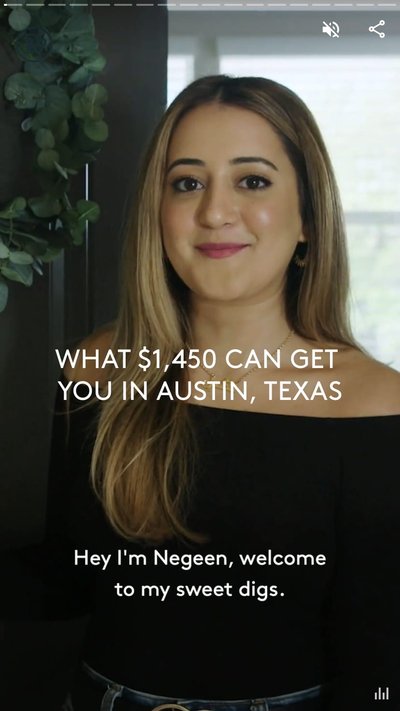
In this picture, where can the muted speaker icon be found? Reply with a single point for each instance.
(330, 28)
(381, 695)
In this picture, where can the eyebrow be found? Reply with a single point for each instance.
(234, 161)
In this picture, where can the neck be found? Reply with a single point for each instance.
(225, 326)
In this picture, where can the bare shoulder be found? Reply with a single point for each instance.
(369, 387)
(89, 353)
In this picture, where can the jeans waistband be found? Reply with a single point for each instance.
(151, 702)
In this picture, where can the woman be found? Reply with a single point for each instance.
(236, 246)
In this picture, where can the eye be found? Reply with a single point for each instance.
(255, 182)
(186, 185)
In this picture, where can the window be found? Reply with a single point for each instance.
(354, 95)
(180, 73)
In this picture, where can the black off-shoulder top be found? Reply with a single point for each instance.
(270, 485)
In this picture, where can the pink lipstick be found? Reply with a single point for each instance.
(220, 250)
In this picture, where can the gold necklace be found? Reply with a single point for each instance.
(226, 382)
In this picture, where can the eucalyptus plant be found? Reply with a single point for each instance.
(62, 109)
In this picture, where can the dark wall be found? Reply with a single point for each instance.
(135, 42)
(79, 291)
(24, 353)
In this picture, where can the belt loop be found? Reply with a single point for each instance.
(259, 705)
(113, 692)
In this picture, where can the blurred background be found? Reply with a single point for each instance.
(351, 83)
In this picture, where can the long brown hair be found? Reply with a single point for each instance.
(143, 454)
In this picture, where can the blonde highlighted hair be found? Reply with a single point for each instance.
(144, 451)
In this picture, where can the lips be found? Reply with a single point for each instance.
(220, 250)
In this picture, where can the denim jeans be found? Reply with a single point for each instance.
(104, 694)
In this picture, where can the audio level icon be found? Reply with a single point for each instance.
(381, 695)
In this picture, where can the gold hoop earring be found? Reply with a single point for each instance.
(300, 261)
(300, 255)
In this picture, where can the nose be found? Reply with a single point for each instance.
(218, 206)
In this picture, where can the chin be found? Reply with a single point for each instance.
(221, 295)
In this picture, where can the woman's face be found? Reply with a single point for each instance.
(230, 210)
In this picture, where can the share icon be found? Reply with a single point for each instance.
(373, 28)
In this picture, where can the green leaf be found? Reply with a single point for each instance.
(38, 241)
(21, 273)
(84, 46)
(62, 131)
(88, 210)
(44, 72)
(65, 49)
(47, 158)
(82, 143)
(79, 75)
(44, 119)
(3, 294)
(46, 224)
(19, 19)
(14, 208)
(94, 112)
(61, 170)
(84, 108)
(44, 138)
(50, 16)
(79, 24)
(21, 258)
(33, 245)
(77, 105)
(4, 251)
(70, 159)
(77, 233)
(26, 124)
(45, 206)
(23, 90)
(51, 253)
(75, 225)
(58, 101)
(96, 130)
(70, 217)
(96, 93)
(95, 63)
(57, 109)
(37, 267)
